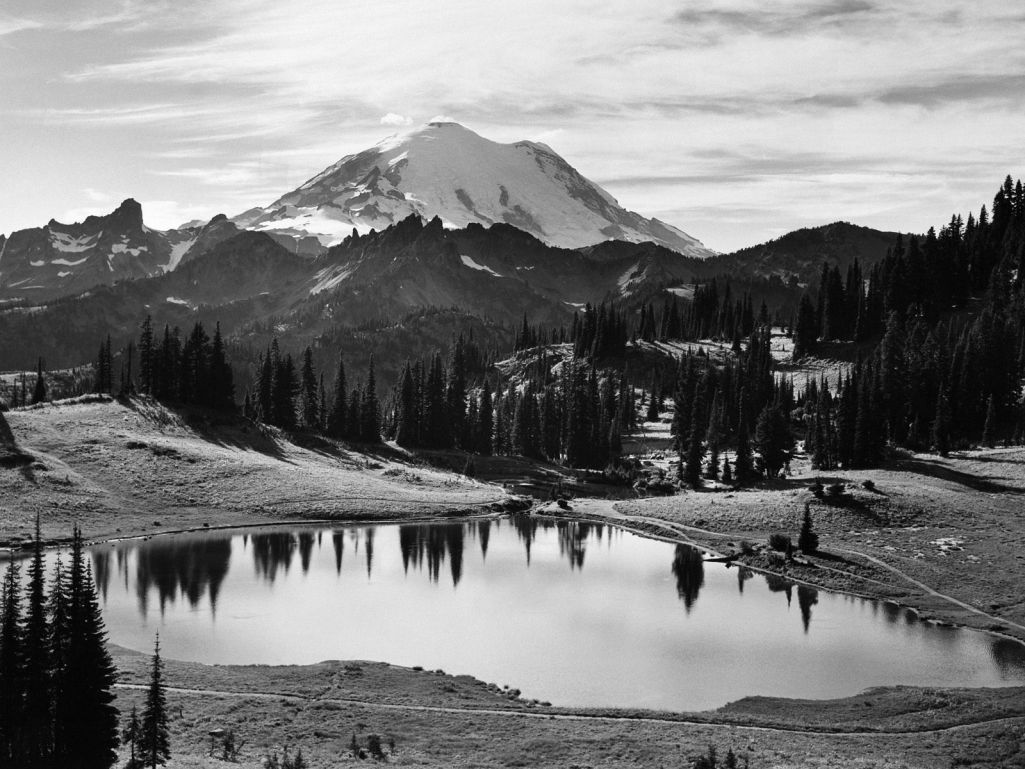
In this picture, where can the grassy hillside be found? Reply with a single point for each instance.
(133, 467)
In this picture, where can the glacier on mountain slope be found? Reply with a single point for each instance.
(448, 171)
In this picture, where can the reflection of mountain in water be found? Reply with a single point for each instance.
(689, 570)
(192, 566)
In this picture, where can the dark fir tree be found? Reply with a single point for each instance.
(155, 742)
(39, 391)
(807, 540)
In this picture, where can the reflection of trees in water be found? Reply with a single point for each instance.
(526, 529)
(306, 539)
(271, 551)
(369, 548)
(432, 543)
(743, 575)
(101, 571)
(806, 598)
(483, 530)
(193, 566)
(1009, 656)
(778, 584)
(573, 537)
(338, 541)
(689, 570)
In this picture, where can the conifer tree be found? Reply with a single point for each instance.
(146, 354)
(155, 743)
(37, 740)
(773, 440)
(370, 411)
(309, 402)
(406, 432)
(485, 421)
(85, 699)
(12, 650)
(39, 391)
(337, 420)
(743, 465)
(807, 540)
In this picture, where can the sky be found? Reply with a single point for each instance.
(735, 120)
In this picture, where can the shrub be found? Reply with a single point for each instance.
(780, 542)
(836, 489)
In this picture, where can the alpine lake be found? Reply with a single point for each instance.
(571, 613)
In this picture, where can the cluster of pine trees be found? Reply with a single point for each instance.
(938, 378)
(194, 370)
(291, 399)
(56, 676)
(713, 409)
(711, 314)
(576, 416)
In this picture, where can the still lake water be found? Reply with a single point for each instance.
(573, 613)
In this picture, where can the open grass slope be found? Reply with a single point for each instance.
(122, 468)
(437, 720)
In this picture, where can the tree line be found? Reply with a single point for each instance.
(946, 321)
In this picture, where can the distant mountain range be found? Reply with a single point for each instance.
(436, 218)
(63, 259)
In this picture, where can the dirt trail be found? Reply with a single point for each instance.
(590, 717)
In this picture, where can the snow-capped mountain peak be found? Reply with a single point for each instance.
(446, 170)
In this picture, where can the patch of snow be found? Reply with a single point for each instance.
(326, 281)
(687, 292)
(121, 248)
(468, 261)
(62, 241)
(64, 273)
(577, 305)
(176, 300)
(66, 263)
(178, 251)
(40, 263)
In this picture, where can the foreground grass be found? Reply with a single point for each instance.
(438, 720)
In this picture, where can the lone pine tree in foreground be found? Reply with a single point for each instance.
(155, 748)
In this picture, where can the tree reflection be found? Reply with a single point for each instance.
(192, 566)
(432, 543)
(689, 570)
(778, 584)
(743, 575)
(573, 542)
(806, 598)
(1009, 656)
(272, 551)
(306, 539)
(338, 541)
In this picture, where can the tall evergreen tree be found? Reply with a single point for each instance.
(37, 739)
(85, 700)
(309, 402)
(337, 420)
(12, 649)
(155, 744)
(39, 391)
